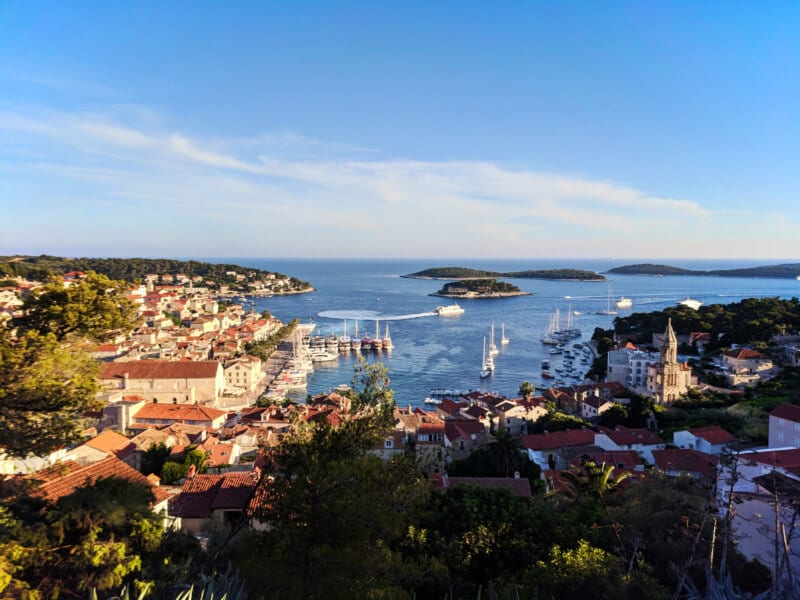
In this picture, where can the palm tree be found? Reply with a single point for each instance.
(526, 389)
(505, 452)
(592, 479)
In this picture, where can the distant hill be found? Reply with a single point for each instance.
(43, 267)
(462, 273)
(785, 271)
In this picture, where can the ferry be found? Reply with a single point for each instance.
(449, 310)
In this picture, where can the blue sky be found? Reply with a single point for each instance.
(414, 129)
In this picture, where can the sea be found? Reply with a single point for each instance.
(434, 353)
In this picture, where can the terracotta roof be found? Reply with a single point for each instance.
(713, 434)
(520, 487)
(745, 354)
(202, 494)
(790, 412)
(788, 459)
(111, 442)
(64, 478)
(454, 429)
(178, 412)
(448, 406)
(161, 369)
(623, 436)
(686, 461)
(558, 439)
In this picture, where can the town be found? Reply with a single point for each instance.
(180, 407)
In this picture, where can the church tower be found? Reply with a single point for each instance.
(669, 379)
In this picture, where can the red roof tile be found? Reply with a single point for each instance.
(178, 412)
(558, 439)
(790, 412)
(686, 461)
(713, 434)
(161, 369)
(203, 494)
(63, 479)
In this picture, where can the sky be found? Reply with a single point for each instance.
(406, 129)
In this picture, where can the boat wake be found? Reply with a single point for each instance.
(370, 315)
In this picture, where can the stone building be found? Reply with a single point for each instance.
(668, 380)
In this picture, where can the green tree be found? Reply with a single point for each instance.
(93, 308)
(101, 536)
(334, 508)
(526, 389)
(616, 415)
(46, 385)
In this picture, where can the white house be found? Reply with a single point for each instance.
(711, 440)
(642, 441)
(784, 426)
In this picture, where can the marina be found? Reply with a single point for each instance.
(429, 352)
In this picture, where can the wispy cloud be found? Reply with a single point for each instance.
(264, 194)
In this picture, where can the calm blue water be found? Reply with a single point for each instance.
(437, 352)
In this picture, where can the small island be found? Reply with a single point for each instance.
(479, 288)
(784, 271)
(462, 274)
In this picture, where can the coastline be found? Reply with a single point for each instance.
(430, 278)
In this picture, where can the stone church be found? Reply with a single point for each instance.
(668, 379)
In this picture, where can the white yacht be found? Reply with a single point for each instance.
(449, 310)
(623, 303)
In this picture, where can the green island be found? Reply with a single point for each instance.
(465, 273)
(784, 271)
(479, 288)
(214, 275)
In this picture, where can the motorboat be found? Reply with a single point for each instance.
(449, 310)
(623, 303)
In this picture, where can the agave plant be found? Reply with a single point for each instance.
(719, 589)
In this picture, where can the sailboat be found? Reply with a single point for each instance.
(549, 336)
(503, 339)
(355, 345)
(487, 366)
(387, 340)
(608, 310)
(493, 351)
(377, 342)
(344, 341)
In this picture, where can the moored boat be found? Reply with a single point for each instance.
(691, 303)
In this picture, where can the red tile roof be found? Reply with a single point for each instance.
(203, 494)
(558, 439)
(790, 412)
(745, 354)
(178, 412)
(454, 429)
(63, 479)
(111, 442)
(713, 434)
(622, 436)
(162, 369)
(686, 461)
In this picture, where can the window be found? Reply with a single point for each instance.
(388, 444)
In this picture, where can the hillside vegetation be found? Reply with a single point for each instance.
(42, 268)
(785, 271)
(465, 273)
